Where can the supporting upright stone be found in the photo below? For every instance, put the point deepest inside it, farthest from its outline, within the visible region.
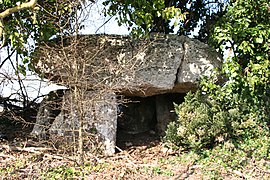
(105, 108)
(99, 112)
(164, 113)
(94, 113)
(49, 108)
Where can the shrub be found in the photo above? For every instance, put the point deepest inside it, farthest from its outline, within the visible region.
(238, 109)
(203, 123)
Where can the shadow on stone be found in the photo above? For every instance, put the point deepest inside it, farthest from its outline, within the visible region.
(142, 121)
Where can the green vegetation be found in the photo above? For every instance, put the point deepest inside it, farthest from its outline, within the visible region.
(162, 16)
(26, 24)
(227, 121)
(222, 129)
(62, 172)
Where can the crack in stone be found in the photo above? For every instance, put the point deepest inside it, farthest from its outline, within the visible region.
(181, 63)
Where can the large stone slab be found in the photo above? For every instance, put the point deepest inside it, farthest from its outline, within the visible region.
(164, 64)
(95, 114)
(118, 64)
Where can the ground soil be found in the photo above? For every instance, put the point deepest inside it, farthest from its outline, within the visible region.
(139, 156)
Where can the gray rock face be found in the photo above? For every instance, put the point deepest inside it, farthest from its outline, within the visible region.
(48, 110)
(165, 64)
(164, 114)
(149, 68)
(97, 116)
(198, 61)
(106, 121)
(165, 110)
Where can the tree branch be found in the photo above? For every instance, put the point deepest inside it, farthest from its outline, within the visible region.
(9, 11)
(18, 8)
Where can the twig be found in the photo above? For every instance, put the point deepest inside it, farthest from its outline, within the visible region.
(119, 149)
(104, 24)
(7, 58)
(54, 156)
(27, 149)
(7, 156)
(238, 173)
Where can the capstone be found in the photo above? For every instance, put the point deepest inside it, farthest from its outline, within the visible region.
(153, 69)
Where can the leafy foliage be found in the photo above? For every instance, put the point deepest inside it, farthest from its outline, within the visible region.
(246, 30)
(204, 123)
(235, 111)
(146, 15)
(38, 24)
(156, 16)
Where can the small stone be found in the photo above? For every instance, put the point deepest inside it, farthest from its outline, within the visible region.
(167, 150)
(128, 144)
(3, 137)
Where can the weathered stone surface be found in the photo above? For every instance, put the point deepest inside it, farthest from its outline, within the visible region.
(149, 68)
(164, 114)
(106, 121)
(165, 64)
(48, 110)
(98, 115)
(165, 110)
(199, 60)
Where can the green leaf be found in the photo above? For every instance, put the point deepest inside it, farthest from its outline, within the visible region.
(259, 40)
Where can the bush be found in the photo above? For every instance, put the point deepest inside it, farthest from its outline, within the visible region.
(238, 109)
(203, 123)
